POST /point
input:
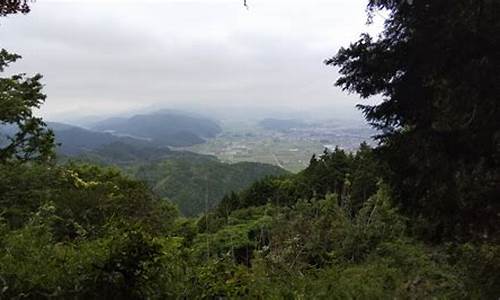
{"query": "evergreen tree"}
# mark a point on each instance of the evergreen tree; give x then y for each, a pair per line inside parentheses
(436, 65)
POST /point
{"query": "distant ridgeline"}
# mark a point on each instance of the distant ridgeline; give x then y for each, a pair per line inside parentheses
(163, 128)
(73, 140)
(157, 129)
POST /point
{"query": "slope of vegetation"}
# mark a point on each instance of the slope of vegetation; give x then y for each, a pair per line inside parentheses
(77, 232)
(198, 184)
(194, 182)
(100, 234)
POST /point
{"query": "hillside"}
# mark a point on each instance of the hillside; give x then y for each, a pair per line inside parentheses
(109, 236)
(163, 128)
(125, 155)
(192, 181)
(195, 184)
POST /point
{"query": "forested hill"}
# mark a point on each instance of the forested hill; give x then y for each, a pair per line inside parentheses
(160, 129)
(194, 182)
(198, 184)
(163, 128)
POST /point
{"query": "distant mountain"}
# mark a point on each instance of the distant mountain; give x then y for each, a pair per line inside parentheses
(164, 128)
(282, 125)
(75, 140)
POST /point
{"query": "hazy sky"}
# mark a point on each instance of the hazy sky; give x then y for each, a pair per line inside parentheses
(100, 57)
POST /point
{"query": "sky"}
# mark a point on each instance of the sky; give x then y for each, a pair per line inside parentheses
(104, 57)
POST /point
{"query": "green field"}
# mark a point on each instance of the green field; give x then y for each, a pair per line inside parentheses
(288, 154)
(289, 150)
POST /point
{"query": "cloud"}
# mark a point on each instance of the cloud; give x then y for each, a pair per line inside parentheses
(112, 56)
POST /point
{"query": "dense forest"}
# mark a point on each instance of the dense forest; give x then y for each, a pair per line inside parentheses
(416, 217)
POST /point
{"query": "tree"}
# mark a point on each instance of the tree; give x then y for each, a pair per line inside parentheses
(25, 136)
(14, 6)
(436, 65)
(366, 174)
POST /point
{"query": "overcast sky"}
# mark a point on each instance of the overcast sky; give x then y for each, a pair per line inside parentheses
(101, 57)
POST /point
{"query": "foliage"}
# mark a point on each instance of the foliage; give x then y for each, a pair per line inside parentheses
(435, 64)
(28, 137)
(194, 182)
(98, 233)
(317, 249)
(197, 183)
(85, 198)
(355, 176)
(80, 231)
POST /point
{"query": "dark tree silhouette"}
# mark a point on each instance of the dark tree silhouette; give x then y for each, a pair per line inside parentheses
(8, 7)
(436, 64)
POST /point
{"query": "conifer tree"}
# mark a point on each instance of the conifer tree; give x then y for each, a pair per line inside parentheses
(436, 66)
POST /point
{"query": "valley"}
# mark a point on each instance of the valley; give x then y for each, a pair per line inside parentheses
(289, 148)
(224, 157)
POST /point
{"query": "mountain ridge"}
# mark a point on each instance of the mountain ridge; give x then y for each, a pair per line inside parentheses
(163, 128)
